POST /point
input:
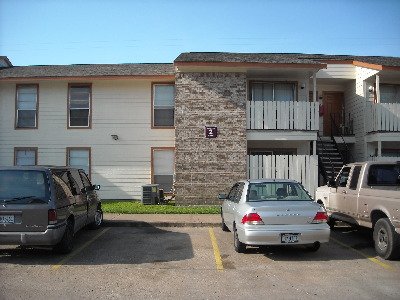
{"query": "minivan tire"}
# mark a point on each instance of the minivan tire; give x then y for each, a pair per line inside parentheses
(67, 241)
(386, 240)
(98, 219)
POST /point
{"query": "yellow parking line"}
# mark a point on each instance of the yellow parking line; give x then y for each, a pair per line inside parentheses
(372, 259)
(217, 255)
(72, 254)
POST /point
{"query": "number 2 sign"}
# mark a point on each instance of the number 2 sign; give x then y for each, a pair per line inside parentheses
(211, 132)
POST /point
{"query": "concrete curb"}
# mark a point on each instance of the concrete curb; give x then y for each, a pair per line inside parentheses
(119, 223)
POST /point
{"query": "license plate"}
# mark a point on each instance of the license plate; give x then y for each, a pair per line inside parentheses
(289, 238)
(6, 219)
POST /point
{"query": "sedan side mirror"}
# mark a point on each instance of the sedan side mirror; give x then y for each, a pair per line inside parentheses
(221, 196)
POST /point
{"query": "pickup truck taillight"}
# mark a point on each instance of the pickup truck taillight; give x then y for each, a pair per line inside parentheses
(52, 214)
(320, 217)
(252, 219)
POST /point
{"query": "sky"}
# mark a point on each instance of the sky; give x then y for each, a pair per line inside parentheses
(58, 32)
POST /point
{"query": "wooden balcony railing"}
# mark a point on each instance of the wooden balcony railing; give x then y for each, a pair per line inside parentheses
(282, 115)
(381, 117)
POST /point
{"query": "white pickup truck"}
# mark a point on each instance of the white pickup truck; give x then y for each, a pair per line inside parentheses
(367, 194)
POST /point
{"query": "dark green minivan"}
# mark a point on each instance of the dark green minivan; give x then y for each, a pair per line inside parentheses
(46, 206)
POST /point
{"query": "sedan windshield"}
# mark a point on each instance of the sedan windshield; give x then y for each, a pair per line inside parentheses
(22, 186)
(277, 191)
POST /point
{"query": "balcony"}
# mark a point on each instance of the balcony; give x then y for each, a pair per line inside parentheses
(282, 115)
(382, 117)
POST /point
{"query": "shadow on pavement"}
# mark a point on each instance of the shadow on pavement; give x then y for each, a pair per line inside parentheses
(119, 245)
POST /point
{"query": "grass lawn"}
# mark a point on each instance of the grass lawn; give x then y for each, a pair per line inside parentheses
(136, 207)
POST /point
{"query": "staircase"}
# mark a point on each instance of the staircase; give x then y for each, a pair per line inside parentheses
(329, 158)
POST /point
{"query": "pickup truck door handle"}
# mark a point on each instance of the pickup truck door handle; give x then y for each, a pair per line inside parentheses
(344, 192)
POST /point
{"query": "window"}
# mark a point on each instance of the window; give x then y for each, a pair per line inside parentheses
(79, 102)
(26, 106)
(275, 191)
(163, 105)
(354, 177)
(388, 175)
(163, 162)
(79, 158)
(232, 193)
(390, 93)
(273, 91)
(25, 156)
(343, 177)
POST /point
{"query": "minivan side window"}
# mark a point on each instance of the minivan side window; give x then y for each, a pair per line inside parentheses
(85, 180)
(62, 190)
(68, 180)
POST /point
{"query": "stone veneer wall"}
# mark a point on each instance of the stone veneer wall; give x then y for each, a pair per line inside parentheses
(205, 167)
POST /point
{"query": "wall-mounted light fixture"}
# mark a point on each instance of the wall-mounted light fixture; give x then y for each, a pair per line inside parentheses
(302, 86)
(371, 89)
(114, 137)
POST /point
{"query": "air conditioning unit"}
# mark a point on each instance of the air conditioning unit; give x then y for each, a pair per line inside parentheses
(150, 194)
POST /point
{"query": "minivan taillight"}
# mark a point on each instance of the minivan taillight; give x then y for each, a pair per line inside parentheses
(52, 216)
(320, 217)
(252, 219)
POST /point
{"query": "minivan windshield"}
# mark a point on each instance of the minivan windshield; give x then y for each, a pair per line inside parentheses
(277, 191)
(23, 186)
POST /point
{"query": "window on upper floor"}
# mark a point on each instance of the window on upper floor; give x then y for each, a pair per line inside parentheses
(390, 93)
(273, 91)
(25, 156)
(79, 105)
(26, 106)
(163, 166)
(163, 105)
(80, 158)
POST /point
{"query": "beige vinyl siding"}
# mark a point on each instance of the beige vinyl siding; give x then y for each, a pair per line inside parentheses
(121, 107)
(356, 95)
(338, 71)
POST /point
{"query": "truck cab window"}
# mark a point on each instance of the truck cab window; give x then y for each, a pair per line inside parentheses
(354, 177)
(343, 177)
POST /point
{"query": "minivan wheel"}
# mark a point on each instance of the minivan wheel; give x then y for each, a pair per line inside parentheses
(98, 219)
(386, 240)
(238, 245)
(67, 242)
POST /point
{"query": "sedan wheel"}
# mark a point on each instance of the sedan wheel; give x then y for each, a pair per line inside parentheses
(238, 245)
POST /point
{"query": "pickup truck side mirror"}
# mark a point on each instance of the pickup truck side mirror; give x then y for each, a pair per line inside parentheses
(221, 196)
(332, 183)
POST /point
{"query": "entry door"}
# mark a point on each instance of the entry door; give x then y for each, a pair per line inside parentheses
(333, 105)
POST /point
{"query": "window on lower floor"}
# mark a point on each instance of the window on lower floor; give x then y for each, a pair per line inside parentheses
(79, 101)
(163, 105)
(26, 106)
(79, 158)
(390, 93)
(163, 168)
(273, 91)
(25, 156)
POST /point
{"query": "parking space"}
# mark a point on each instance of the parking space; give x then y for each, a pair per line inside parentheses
(122, 262)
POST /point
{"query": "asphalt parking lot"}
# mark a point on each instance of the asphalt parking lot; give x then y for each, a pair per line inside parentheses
(197, 263)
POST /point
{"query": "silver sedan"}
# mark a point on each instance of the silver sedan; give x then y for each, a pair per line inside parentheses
(273, 212)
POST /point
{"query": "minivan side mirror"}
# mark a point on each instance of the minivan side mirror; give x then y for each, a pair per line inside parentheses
(96, 187)
(222, 196)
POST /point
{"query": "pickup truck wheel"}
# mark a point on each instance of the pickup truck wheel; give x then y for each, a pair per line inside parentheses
(67, 242)
(386, 240)
(238, 245)
(223, 225)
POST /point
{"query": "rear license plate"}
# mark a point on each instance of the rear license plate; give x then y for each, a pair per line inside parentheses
(6, 219)
(289, 238)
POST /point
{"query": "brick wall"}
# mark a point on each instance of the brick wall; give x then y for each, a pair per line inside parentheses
(205, 167)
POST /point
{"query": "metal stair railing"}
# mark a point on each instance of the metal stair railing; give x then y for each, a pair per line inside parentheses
(324, 151)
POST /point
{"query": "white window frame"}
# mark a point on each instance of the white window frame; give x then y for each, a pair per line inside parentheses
(19, 87)
(154, 106)
(89, 108)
